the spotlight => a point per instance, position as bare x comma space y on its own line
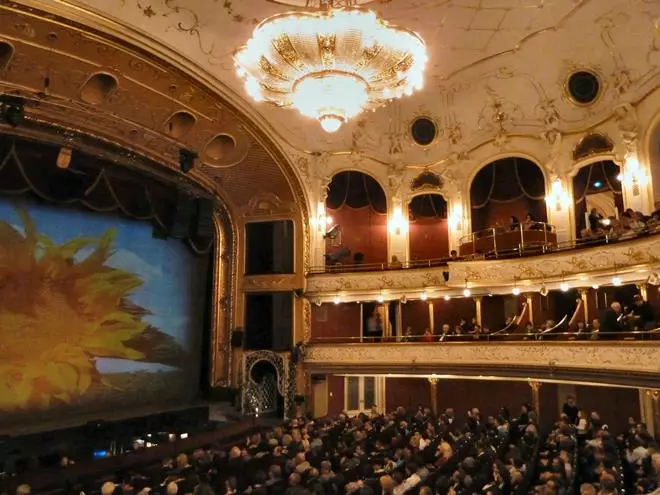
12, 110
187, 160
64, 157
598, 184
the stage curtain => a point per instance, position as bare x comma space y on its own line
28, 167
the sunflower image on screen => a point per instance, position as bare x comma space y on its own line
62, 307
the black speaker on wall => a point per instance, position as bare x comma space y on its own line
237, 338
185, 209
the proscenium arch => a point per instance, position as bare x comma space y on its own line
494, 162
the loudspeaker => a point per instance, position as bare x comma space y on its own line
185, 209
237, 338
187, 159
204, 227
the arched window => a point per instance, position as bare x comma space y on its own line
506, 188
358, 234
428, 235
596, 187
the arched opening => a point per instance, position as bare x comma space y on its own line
592, 144
97, 88
358, 207
180, 124
507, 200
220, 146
428, 233
506, 188
6, 53
265, 393
598, 199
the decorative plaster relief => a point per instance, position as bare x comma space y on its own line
393, 280
536, 269
597, 259
623, 356
269, 282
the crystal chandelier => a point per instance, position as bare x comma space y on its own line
331, 64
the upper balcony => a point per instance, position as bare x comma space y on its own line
535, 266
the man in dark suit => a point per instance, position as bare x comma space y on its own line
610, 322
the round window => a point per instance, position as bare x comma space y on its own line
583, 87
423, 131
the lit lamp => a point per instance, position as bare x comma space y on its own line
322, 220
456, 217
634, 176
398, 224
558, 197
330, 64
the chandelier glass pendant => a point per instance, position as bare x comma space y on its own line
331, 64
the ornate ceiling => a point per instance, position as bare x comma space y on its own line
142, 110
497, 67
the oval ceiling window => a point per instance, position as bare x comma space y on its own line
423, 131
583, 87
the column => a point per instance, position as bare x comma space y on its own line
584, 295
457, 222
433, 382
397, 229
530, 307
643, 291
399, 321
477, 303
431, 318
535, 385
387, 328
649, 406
560, 210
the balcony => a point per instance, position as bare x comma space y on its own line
597, 261
622, 362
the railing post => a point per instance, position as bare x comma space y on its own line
522, 238
495, 241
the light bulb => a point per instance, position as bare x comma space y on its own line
516, 291
381, 299
466, 292
424, 296
447, 298
337, 300
330, 124
616, 281
564, 287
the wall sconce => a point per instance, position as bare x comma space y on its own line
558, 197
322, 221
398, 224
456, 217
633, 176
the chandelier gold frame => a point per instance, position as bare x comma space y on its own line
331, 64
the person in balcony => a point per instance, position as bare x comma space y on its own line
445, 332
428, 336
395, 263
514, 223
610, 325
643, 314
595, 220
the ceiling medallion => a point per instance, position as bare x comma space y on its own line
332, 63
